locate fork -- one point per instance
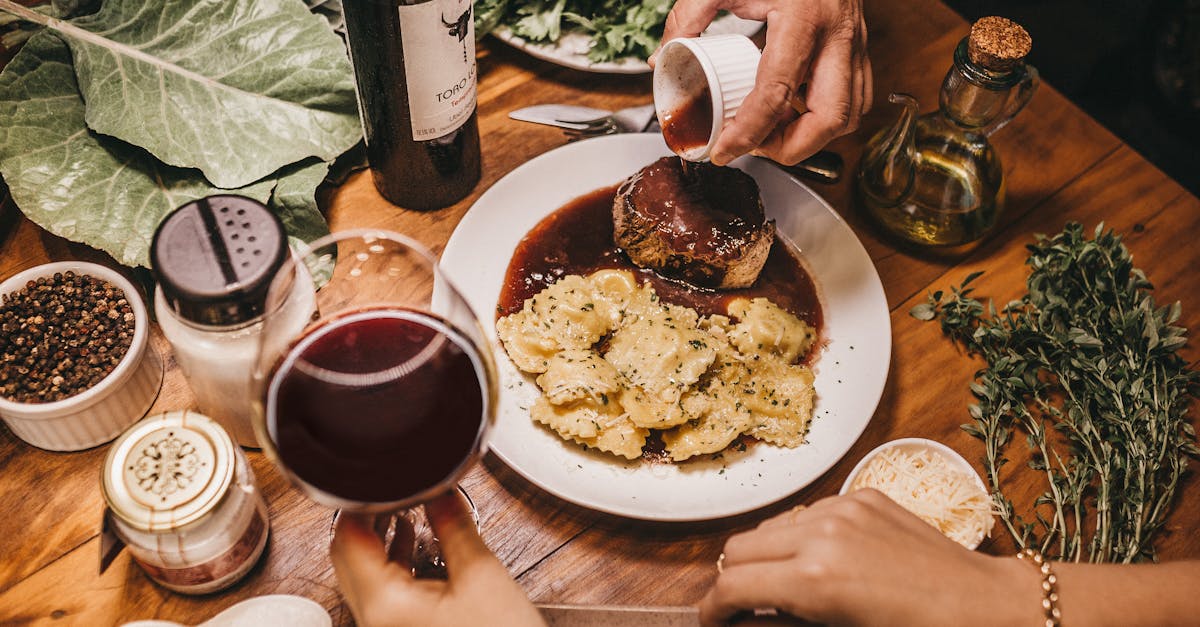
(631, 120)
(592, 128)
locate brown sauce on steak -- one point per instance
(578, 239)
(701, 209)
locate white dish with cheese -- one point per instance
(932, 481)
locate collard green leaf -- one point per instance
(331, 10)
(295, 200)
(74, 182)
(237, 89)
(71, 8)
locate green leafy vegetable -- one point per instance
(488, 15)
(331, 10)
(74, 182)
(237, 89)
(295, 199)
(1085, 358)
(102, 187)
(295, 202)
(540, 21)
(637, 34)
(617, 28)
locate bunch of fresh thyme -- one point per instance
(1085, 354)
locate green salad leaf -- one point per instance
(636, 33)
(488, 15)
(617, 28)
(99, 190)
(236, 89)
(540, 21)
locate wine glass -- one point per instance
(384, 399)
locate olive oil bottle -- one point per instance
(935, 179)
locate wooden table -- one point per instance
(1061, 165)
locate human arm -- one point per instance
(1122, 595)
(861, 559)
(818, 43)
(382, 592)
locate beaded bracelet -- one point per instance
(1049, 587)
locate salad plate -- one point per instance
(572, 47)
(850, 370)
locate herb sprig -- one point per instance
(1087, 367)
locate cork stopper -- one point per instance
(998, 44)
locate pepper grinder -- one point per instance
(214, 260)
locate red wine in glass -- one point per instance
(378, 407)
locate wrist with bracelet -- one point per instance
(1053, 616)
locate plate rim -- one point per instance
(875, 394)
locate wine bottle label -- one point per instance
(439, 63)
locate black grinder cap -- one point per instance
(214, 259)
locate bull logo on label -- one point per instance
(459, 28)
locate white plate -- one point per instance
(572, 47)
(850, 371)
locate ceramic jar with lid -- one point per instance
(182, 497)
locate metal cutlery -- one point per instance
(583, 122)
(618, 616)
(589, 121)
(634, 616)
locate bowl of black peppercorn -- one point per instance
(76, 364)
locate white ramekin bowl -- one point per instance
(914, 445)
(103, 411)
(727, 64)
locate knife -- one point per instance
(644, 616)
(824, 167)
(618, 616)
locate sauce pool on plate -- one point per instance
(578, 239)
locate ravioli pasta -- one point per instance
(614, 362)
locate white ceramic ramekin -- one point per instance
(914, 445)
(103, 411)
(727, 64)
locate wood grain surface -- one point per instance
(1060, 166)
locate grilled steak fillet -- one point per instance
(705, 225)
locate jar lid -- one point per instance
(214, 259)
(168, 470)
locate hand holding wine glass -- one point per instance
(382, 592)
(383, 402)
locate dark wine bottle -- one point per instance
(414, 65)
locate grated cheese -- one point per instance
(924, 483)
